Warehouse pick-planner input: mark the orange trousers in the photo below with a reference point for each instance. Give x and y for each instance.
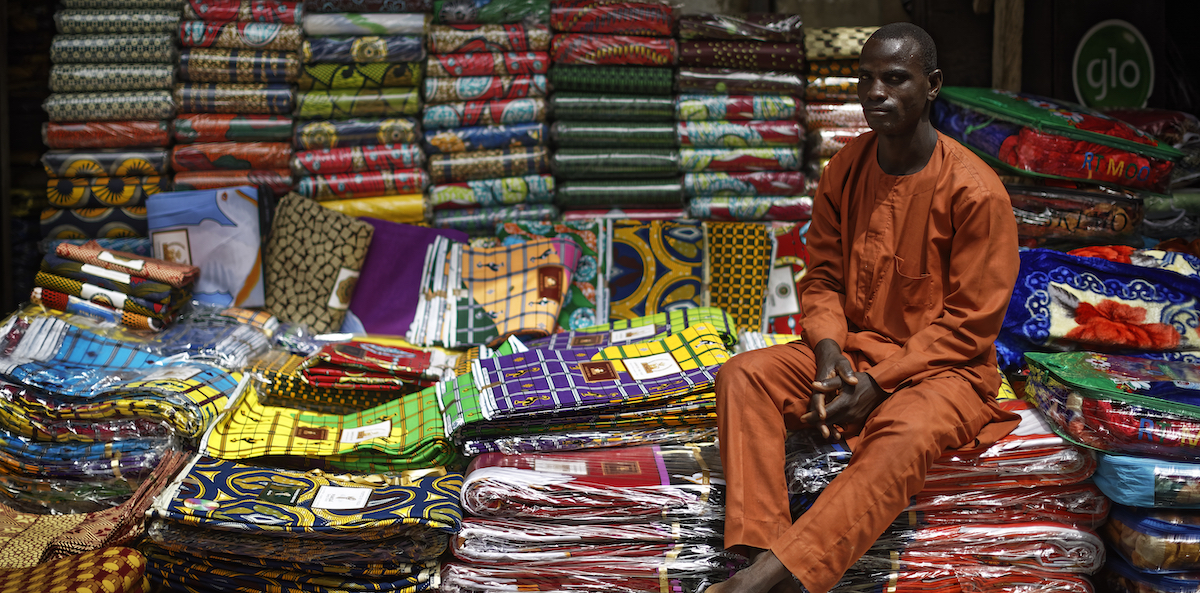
(761, 395)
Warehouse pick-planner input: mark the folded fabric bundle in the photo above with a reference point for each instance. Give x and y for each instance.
(208, 156)
(453, 140)
(105, 163)
(601, 134)
(494, 540)
(113, 569)
(117, 300)
(106, 134)
(238, 65)
(835, 115)
(627, 559)
(72, 304)
(1049, 216)
(897, 572)
(619, 17)
(481, 221)
(743, 183)
(261, 11)
(738, 263)
(1148, 482)
(484, 113)
(103, 192)
(831, 140)
(743, 55)
(650, 327)
(405, 208)
(484, 88)
(492, 192)
(279, 181)
(490, 11)
(76, 78)
(614, 50)
(359, 75)
(74, 21)
(488, 164)
(834, 43)
(630, 80)
(750, 208)
(1078, 505)
(380, 157)
(786, 28)
(597, 163)
(363, 50)
(1045, 546)
(467, 578)
(445, 39)
(123, 282)
(488, 64)
(721, 107)
(609, 107)
(738, 82)
(364, 24)
(1155, 540)
(222, 127)
(619, 192)
(570, 438)
(173, 274)
(362, 184)
(695, 160)
(93, 223)
(219, 97)
(831, 88)
(101, 106)
(736, 134)
(120, 48)
(356, 132)
(350, 103)
(586, 300)
(405, 363)
(132, 459)
(284, 387)
(241, 35)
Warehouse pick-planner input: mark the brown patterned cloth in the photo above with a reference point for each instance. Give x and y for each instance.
(743, 55)
(108, 570)
(313, 258)
(836, 43)
(177, 275)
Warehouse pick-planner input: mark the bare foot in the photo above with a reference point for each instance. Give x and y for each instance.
(766, 575)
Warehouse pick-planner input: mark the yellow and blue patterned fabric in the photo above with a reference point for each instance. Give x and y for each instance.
(114, 459)
(655, 266)
(623, 331)
(586, 438)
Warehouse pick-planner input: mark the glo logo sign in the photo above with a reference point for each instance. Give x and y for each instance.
(1113, 66)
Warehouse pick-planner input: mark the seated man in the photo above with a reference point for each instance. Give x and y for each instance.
(914, 258)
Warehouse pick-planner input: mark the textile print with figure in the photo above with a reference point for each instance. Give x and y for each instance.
(585, 303)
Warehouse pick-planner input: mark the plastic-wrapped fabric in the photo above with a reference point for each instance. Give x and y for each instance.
(201, 97)
(734, 208)
(452, 140)
(321, 77)
(1155, 540)
(663, 269)
(492, 192)
(317, 25)
(831, 140)
(72, 304)
(1040, 546)
(492, 541)
(103, 192)
(77, 78)
(488, 64)
(590, 163)
(228, 127)
(381, 157)
(356, 132)
(470, 578)
(613, 50)
(831, 88)
(777, 28)
(63, 496)
(1119, 577)
(93, 223)
(1170, 126)
(619, 192)
(408, 208)
(1148, 482)
(362, 184)
(462, 39)
(708, 107)
(369, 5)
(241, 35)
(365, 49)
(484, 113)
(743, 183)
(739, 134)
(122, 303)
(1080, 505)
(834, 115)
(350, 103)
(484, 220)
(588, 134)
(258, 11)
(123, 282)
(107, 134)
(695, 160)
(613, 17)
(821, 68)
(1047, 216)
(76, 21)
(488, 164)
(279, 180)
(111, 106)
(725, 80)
(484, 88)
(105, 163)
(617, 558)
(212, 156)
(131, 48)
(612, 79)
(836, 43)
(608, 107)
(238, 65)
(742, 55)
(490, 12)
(512, 444)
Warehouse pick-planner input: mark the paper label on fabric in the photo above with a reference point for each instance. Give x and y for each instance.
(288, 494)
(343, 289)
(599, 370)
(559, 466)
(172, 374)
(652, 367)
(113, 275)
(550, 283)
(173, 246)
(132, 264)
(103, 296)
(341, 498)
(588, 340)
(633, 333)
(312, 432)
(781, 296)
(365, 433)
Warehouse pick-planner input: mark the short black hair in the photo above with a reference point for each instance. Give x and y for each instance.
(926, 49)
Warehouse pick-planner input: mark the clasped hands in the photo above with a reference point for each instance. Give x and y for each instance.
(841, 398)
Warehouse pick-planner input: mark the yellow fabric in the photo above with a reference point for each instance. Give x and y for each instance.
(407, 208)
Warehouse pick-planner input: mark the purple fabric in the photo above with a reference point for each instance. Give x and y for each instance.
(386, 297)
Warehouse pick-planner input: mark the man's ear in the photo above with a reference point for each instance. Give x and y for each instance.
(935, 84)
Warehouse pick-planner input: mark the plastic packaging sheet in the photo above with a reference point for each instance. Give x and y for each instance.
(362, 184)
(749, 208)
(492, 192)
(736, 134)
(369, 5)
(484, 88)
(612, 79)
(1147, 482)
(124, 4)
(107, 134)
(63, 496)
(1155, 540)
(831, 140)
(238, 65)
(409, 208)
(132, 48)
(1080, 505)
(262, 36)
(490, 12)
(778, 28)
(1048, 215)
(725, 80)
(831, 88)
(269, 99)
(348, 23)
(356, 132)
(209, 156)
(834, 115)
(470, 578)
(380, 157)
(93, 223)
(1119, 577)
(367, 49)
(103, 192)
(590, 163)
(488, 164)
(742, 55)
(707, 107)
(488, 64)
(833, 68)
(615, 558)
(105, 163)
(76, 21)
(348, 103)
(145, 105)
(607, 107)
(589, 134)
(484, 113)
(260, 11)
(451, 140)
(484, 220)
(614, 17)
(613, 50)
(695, 160)
(229, 127)
(322, 77)
(465, 39)
(75, 78)
(743, 183)
(279, 180)
(619, 192)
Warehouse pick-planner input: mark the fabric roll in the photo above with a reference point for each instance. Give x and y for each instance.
(619, 192)
(106, 134)
(237, 35)
(742, 55)
(76, 21)
(623, 214)
(591, 163)
(464, 39)
(488, 64)
(737, 134)
(73, 304)
(146, 105)
(778, 28)
(132, 48)
(612, 79)
(750, 208)
(835, 115)
(278, 180)
(348, 23)
(176, 275)
(708, 107)
(105, 163)
(143, 288)
(725, 80)
(492, 192)
(324, 77)
(258, 11)
(124, 4)
(833, 67)
(484, 88)
(202, 97)
(836, 43)
(605, 107)
(613, 17)
(451, 140)
(368, 49)
(831, 88)
(362, 184)
(93, 223)
(488, 164)
(743, 183)
(613, 50)
(695, 160)
(489, 12)
(76, 78)
(382, 157)
(103, 192)
(484, 113)
(484, 220)
(349, 103)
(212, 156)
(404, 208)
(228, 127)
(114, 298)
(582, 134)
(831, 140)
(355, 132)
(238, 65)
(369, 5)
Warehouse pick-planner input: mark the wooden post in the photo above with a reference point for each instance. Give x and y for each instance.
(1008, 29)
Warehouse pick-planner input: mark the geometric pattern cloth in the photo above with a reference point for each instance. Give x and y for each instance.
(738, 261)
(638, 329)
(108, 570)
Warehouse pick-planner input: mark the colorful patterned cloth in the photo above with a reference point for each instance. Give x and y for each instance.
(788, 268)
(650, 327)
(103, 192)
(109, 134)
(1148, 482)
(461, 39)
(738, 259)
(656, 266)
(488, 64)
(362, 50)
(586, 300)
(484, 113)
(613, 17)
(356, 132)
(493, 192)
(471, 138)
(613, 50)
(112, 570)
(93, 223)
(359, 75)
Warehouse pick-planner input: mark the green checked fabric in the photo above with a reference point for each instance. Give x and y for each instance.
(459, 402)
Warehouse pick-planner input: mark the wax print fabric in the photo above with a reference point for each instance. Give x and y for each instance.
(490, 11)
(104, 163)
(73, 304)
(238, 65)
(329, 76)
(585, 301)
(493, 192)
(734, 134)
(656, 266)
(831, 43)
(655, 327)
(348, 23)
(455, 140)
(695, 160)
(381, 157)
(835, 115)
(208, 156)
(123, 282)
(602, 163)
(355, 132)
(488, 164)
(488, 64)
(106, 134)
(481, 221)
(350, 103)
(271, 99)
(370, 5)
(114, 569)
(708, 107)
(743, 183)
(105, 296)
(285, 387)
(613, 17)
(279, 181)
(260, 11)
(77, 21)
(831, 88)
(75, 78)
(619, 192)
(749, 208)
(407, 208)
(484, 88)
(614, 50)
(1148, 482)
(631, 80)
(786, 28)
(366, 49)
(484, 113)
(176, 275)
(462, 39)
(104, 106)
(742, 55)
(219, 127)
(93, 223)
(608, 107)
(738, 261)
(119, 48)
(791, 263)
(832, 140)
(693, 79)
(241, 35)
(103, 192)
(589, 134)
(362, 184)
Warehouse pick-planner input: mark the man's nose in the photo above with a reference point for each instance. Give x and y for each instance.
(874, 90)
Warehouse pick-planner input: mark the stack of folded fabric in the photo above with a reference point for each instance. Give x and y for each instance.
(109, 111)
(834, 114)
(356, 143)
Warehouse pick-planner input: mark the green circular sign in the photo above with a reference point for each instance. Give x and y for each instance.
(1113, 66)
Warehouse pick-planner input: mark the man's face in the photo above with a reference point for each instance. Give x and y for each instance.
(892, 87)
